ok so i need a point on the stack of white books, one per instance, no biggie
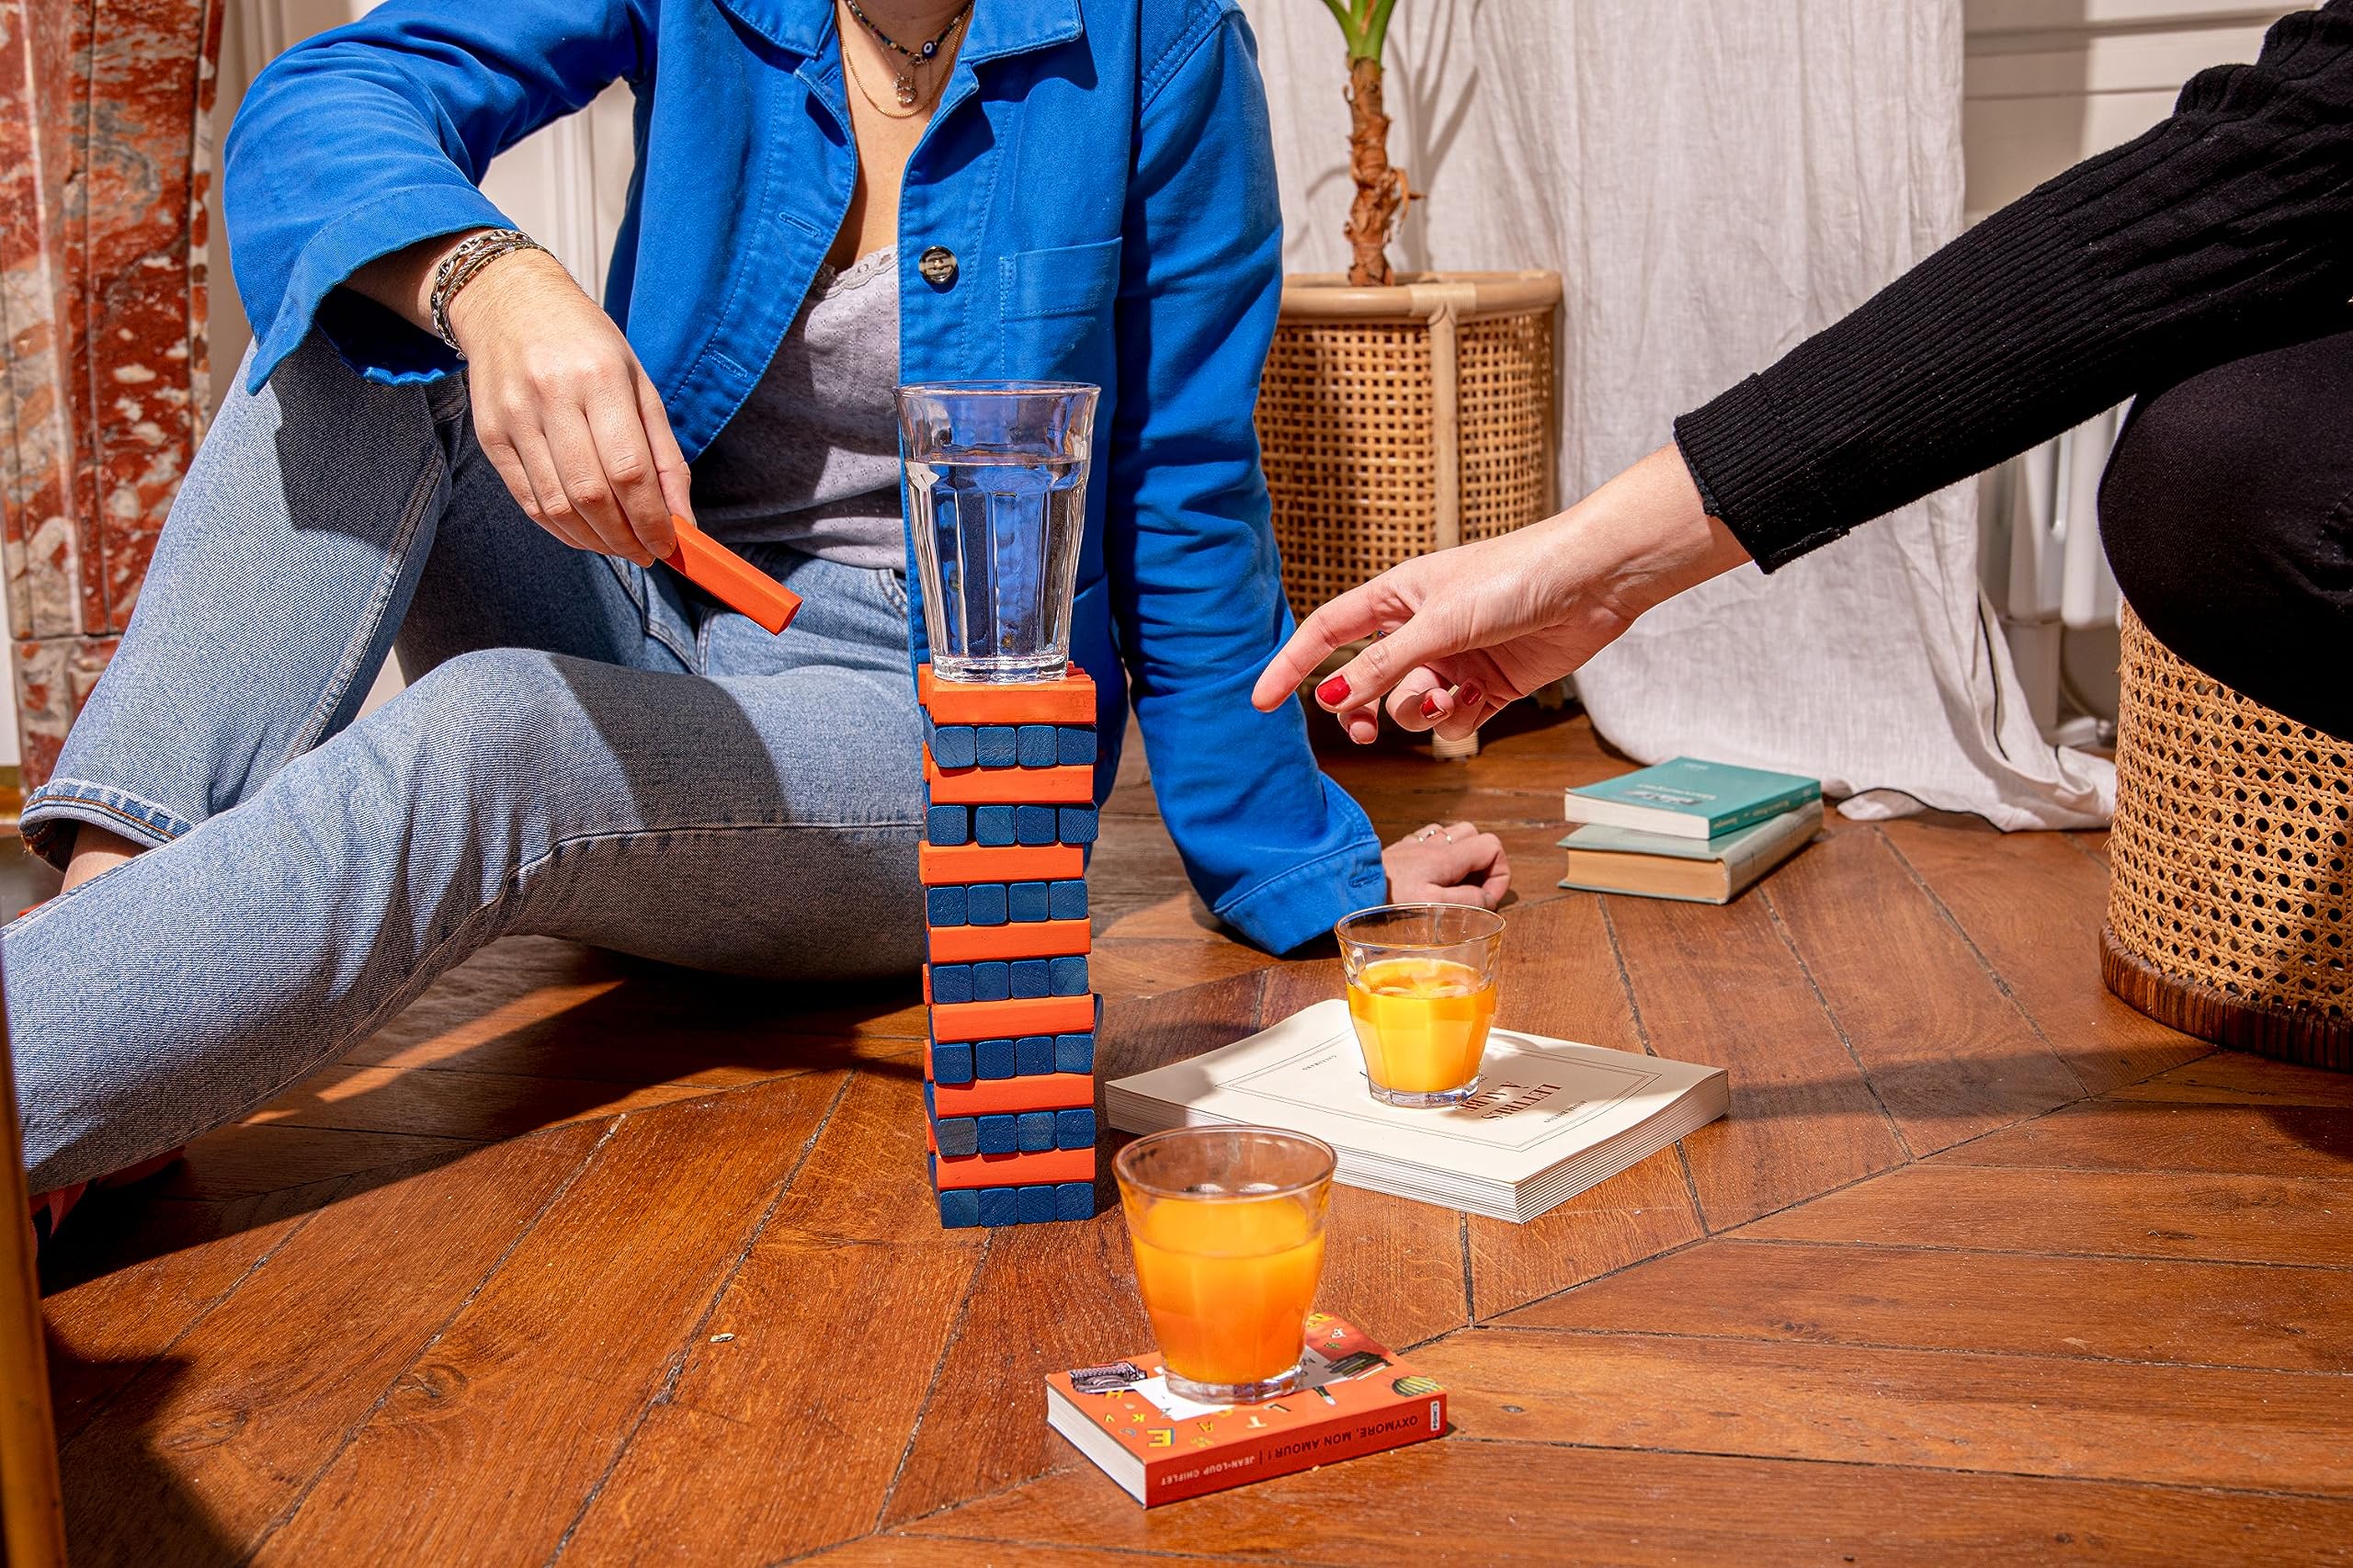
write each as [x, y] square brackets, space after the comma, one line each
[1550, 1119]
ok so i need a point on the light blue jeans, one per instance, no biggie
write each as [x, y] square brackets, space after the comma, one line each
[584, 750]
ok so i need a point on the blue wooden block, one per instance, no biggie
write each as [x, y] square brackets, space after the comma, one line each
[984, 903]
[1074, 1200]
[948, 825]
[1035, 746]
[993, 1059]
[930, 1106]
[1033, 1055]
[1035, 824]
[952, 1064]
[945, 907]
[991, 981]
[951, 982]
[1066, 901]
[1077, 825]
[997, 1205]
[951, 744]
[997, 746]
[1033, 1205]
[1030, 977]
[959, 1208]
[1074, 745]
[994, 825]
[1073, 1053]
[1067, 976]
[1033, 1131]
[1073, 1129]
[959, 1134]
[996, 1134]
[1027, 901]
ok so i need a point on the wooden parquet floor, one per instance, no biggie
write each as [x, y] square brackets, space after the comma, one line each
[587, 1261]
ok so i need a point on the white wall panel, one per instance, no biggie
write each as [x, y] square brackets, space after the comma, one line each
[2048, 82]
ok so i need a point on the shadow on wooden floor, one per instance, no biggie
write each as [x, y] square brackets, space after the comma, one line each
[536, 1034]
[139, 1473]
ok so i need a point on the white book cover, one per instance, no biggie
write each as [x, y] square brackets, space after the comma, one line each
[1550, 1119]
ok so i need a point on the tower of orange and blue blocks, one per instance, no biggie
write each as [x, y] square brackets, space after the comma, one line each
[1009, 1072]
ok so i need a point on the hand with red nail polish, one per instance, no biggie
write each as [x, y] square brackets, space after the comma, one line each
[1452, 638]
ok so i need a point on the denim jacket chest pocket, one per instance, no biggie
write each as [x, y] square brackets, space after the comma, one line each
[1054, 318]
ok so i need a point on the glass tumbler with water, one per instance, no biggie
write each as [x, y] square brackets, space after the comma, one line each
[997, 494]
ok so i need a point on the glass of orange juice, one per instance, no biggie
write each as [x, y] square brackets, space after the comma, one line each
[1422, 996]
[1228, 1228]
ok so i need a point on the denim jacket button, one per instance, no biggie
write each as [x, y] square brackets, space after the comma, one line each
[937, 265]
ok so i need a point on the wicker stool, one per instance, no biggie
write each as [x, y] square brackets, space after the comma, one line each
[2228, 908]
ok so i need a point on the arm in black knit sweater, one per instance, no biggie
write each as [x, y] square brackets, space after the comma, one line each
[2227, 229]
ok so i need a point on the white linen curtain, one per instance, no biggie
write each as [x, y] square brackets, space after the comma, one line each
[1713, 181]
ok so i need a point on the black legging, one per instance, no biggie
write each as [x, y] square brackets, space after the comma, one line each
[2227, 510]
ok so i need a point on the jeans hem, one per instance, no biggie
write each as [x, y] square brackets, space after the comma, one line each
[51, 808]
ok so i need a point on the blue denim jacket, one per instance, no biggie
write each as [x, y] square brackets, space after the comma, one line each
[1102, 172]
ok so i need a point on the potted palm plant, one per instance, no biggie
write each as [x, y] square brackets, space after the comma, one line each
[1399, 413]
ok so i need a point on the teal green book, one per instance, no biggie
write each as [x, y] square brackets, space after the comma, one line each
[1689, 799]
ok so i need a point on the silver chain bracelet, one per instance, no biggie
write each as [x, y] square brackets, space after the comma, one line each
[461, 266]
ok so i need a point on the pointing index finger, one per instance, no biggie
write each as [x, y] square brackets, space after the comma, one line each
[1332, 626]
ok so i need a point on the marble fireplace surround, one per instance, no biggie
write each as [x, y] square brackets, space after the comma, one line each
[106, 173]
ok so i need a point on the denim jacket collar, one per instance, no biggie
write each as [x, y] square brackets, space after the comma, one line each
[999, 27]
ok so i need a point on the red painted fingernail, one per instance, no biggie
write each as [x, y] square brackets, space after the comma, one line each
[1467, 696]
[1429, 705]
[1333, 692]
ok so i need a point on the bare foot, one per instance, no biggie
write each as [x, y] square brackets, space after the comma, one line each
[95, 850]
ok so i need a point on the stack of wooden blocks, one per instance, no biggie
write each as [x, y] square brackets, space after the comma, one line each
[1009, 1073]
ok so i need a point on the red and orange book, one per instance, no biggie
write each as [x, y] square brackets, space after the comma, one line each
[1355, 1398]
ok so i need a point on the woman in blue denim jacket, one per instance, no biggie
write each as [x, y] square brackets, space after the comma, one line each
[1077, 189]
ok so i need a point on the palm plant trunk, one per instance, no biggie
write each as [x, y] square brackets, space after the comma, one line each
[1380, 189]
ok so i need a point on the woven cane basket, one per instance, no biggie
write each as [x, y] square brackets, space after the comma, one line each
[1401, 420]
[2228, 908]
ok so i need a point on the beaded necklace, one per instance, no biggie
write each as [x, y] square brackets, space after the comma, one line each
[912, 59]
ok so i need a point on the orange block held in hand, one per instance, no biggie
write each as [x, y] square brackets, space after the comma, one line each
[732, 580]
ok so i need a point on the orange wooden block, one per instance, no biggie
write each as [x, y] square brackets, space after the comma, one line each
[1015, 1170]
[732, 580]
[937, 864]
[1021, 939]
[1070, 700]
[999, 1020]
[1005, 1097]
[1008, 786]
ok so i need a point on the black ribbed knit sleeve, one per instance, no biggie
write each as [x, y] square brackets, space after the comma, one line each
[2227, 229]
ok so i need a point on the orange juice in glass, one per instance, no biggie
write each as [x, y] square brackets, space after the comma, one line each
[1228, 1228]
[1422, 996]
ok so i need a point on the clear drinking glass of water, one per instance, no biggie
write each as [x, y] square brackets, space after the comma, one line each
[996, 492]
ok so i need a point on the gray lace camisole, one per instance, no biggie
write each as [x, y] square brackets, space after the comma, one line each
[811, 459]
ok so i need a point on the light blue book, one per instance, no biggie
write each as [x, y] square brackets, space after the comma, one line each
[1689, 799]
